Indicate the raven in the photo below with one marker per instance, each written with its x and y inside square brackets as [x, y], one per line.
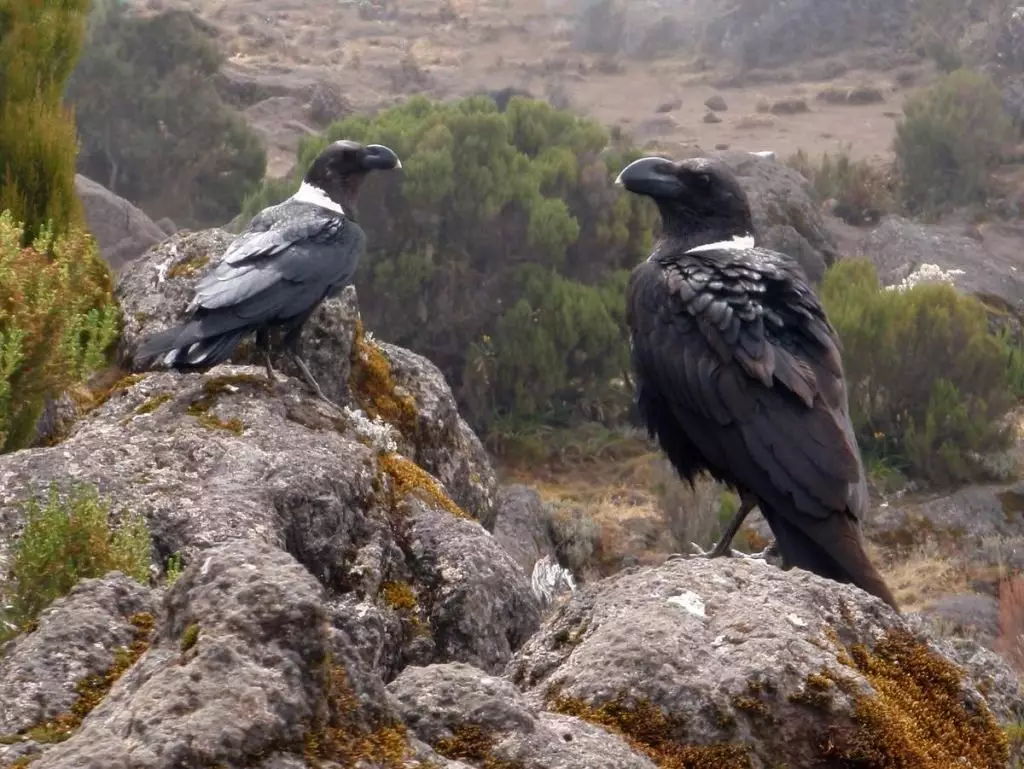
[739, 374]
[279, 269]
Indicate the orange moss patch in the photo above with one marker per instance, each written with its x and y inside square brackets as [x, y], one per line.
[408, 478]
[336, 735]
[651, 732]
[373, 385]
[474, 744]
[916, 717]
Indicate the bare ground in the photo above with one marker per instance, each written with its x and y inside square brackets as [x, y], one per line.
[491, 44]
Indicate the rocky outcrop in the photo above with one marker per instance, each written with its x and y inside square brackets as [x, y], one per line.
[785, 217]
[122, 231]
[986, 261]
[345, 604]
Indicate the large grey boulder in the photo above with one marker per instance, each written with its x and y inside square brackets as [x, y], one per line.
[122, 231]
[742, 664]
[786, 218]
[986, 262]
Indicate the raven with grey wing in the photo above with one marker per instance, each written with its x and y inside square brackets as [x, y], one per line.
[279, 269]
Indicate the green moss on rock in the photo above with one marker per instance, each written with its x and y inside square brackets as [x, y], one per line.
[188, 267]
[92, 689]
[153, 404]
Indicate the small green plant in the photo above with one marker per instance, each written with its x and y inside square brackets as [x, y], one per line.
[951, 138]
[58, 321]
[174, 569]
[68, 538]
[860, 190]
[928, 381]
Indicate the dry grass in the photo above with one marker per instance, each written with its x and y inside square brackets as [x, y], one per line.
[921, 575]
[1011, 621]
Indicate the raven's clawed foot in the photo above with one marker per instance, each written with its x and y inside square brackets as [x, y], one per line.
[313, 384]
[728, 552]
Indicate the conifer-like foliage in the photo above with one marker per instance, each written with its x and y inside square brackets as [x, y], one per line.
[39, 42]
[501, 252]
[929, 382]
[152, 125]
[952, 137]
[58, 319]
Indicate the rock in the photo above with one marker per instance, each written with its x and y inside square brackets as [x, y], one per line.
[456, 706]
[738, 662]
[716, 103]
[711, 117]
[969, 515]
[966, 616]
[669, 106]
[791, 105]
[122, 231]
[785, 217]
[242, 86]
[991, 268]
[523, 526]
[327, 104]
[76, 637]
[243, 666]
[434, 434]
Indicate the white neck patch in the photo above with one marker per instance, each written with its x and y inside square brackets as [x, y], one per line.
[737, 243]
[309, 193]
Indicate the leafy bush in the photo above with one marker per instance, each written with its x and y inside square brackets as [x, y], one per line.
[65, 541]
[39, 43]
[928, 380]
[153, 127]
[500, 252]
[860, 191]
[951, 138]
[58, 318]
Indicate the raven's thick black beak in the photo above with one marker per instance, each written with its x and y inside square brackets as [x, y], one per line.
[652, 176]
[380, 158]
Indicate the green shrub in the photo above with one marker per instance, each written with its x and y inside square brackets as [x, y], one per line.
[951, 138]
[65, 540]
[39, 42]
[58, 319]
[860, 191]
[499, 252]
[153, 126]
[928, 380]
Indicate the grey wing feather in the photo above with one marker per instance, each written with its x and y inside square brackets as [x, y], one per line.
[272, 249]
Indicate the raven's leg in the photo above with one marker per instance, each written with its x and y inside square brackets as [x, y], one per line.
[263, 343]
[723, 548]
[291, 345]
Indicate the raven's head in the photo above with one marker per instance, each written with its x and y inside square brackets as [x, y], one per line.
[342, 165]
[695, 196]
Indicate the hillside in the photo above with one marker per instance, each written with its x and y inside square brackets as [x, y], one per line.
[282, 53]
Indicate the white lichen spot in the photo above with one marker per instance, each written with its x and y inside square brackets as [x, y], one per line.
[926, 273]
[796, 621]
[380, 434]
[720, 640]
[689, 601]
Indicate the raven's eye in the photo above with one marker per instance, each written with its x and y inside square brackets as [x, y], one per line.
[704, 180]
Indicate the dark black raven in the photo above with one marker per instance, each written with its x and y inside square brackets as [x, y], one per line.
[278, 270]
[738, 372]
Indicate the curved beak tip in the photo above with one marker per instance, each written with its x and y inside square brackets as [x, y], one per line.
[618, 179]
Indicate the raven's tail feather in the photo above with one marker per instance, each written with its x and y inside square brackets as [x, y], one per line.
[184, 347]
[832, 547]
